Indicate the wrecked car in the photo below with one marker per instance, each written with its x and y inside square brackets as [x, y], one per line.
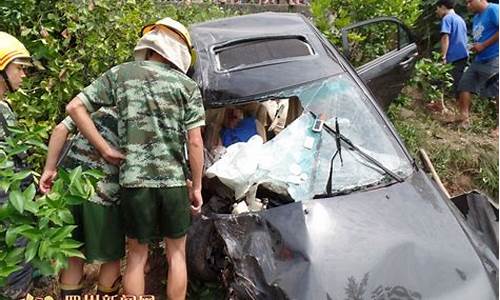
[323, 201]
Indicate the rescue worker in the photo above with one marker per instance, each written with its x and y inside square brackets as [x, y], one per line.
[159, 111]
[13, 58]
[98, 221]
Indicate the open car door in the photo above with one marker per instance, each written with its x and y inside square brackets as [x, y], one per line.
[384, 53]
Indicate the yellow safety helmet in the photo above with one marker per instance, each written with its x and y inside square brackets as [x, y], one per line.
[178, 28]
[12, 49]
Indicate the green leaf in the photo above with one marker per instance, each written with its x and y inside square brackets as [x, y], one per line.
[6, 271]
[74, 200]
[66, 216]
[29, 193]
[31, 250]
[75, 175]
[23, 228]
[62, 233]
[31, 206]
[42, 251]
[70, 244]
[72, 253]
[14, 256]
[5, 211]
[32, 234]
[17, 200]
[97, 174]
[10, 236]
[43, 266]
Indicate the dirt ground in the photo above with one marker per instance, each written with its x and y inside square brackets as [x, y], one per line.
[471, 145]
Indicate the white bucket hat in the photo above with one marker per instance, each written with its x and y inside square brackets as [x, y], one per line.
[166, 43]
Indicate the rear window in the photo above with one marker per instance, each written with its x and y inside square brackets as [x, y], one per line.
[253, 52]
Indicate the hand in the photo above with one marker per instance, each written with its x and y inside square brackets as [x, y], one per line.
[196, 201]
[477, 47]
[46, 180]
[113, 156]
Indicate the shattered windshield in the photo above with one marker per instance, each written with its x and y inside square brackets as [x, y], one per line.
[298, 158]
[340, 97]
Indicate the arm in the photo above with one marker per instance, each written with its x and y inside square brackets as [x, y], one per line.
[195, 149]
[478, 47]
[445, 43]
[78, 112]
[56, 144]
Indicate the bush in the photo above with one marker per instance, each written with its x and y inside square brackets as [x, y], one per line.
[331, 15]
[45, 221]
[433, 77]
[72, 43]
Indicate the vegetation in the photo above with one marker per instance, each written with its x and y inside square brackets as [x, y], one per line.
[44, 221]
[72, 43]
[331, 15]
[433, 77]
[464, 159]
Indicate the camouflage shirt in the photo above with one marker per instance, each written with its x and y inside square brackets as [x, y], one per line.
[156, 106]
[9, 115]
[82, 153]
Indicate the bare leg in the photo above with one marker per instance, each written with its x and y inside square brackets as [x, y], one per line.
[108, 274]
[464, 101]
[177, 271]
[72, 276]
[133, 279]
[494, 132]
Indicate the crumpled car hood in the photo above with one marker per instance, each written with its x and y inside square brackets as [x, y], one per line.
[399, 242]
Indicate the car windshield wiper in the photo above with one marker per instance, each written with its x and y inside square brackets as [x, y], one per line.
[339, 137]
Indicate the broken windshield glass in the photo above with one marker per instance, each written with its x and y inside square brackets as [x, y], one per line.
[298, 158]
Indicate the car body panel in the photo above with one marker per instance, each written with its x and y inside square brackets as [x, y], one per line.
[247, 83]
[399, 242]
[384, 241]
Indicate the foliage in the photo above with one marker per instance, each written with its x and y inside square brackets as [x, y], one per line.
[433, 77]
[332, 15]
[46, 221]
[463, 160]
[73, 42]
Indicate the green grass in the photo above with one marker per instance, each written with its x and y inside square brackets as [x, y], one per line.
[455, 153]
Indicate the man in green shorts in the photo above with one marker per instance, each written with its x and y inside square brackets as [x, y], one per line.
[160, 111]
[98, 221]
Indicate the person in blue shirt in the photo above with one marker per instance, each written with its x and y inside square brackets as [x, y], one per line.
[482, 76]
[453, 39]
[237, 128]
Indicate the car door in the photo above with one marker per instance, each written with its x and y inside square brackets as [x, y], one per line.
[384, 53]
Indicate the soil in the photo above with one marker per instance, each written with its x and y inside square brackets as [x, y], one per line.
[440, 134]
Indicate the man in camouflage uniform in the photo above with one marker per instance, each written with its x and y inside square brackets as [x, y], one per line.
[160, 110]
[13, 58]
[98, 221]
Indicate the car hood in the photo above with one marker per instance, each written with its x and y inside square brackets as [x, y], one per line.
[398, 242]
[233, 86]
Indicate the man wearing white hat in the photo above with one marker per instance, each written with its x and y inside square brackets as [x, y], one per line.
[159, 111]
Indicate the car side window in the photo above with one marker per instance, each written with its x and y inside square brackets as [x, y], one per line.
[372, 40]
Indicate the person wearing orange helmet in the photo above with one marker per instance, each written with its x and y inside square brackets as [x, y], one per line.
[13, 58]
[160, 111]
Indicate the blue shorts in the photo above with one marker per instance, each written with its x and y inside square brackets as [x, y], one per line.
[481, 78]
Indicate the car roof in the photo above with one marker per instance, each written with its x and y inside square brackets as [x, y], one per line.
[244, 82]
